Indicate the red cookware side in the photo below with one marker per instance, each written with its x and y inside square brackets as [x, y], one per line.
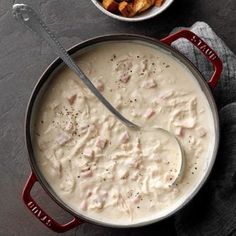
[48, 220]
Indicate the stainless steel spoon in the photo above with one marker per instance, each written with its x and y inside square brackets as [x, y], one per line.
[29, 18]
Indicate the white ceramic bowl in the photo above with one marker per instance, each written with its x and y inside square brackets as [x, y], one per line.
[152, 12]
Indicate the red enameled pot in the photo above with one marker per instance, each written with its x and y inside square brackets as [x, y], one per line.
[164, 44]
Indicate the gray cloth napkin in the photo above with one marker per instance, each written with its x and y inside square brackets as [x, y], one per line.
[213, 211]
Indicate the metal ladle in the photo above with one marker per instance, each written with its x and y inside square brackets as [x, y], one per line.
[29, 18]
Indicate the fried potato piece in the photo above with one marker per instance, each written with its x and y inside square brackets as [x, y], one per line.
[159, 3]
[110, 5]
[126, 9]
[119, 1]
[142, 5]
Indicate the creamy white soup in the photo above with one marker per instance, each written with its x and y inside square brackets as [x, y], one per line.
[101, 168]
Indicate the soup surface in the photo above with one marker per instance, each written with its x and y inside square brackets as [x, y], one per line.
[101, 168]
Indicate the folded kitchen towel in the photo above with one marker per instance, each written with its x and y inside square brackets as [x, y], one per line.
[213, 211]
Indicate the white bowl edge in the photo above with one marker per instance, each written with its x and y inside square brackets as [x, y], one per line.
[154, 11]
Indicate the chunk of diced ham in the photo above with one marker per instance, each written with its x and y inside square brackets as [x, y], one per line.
[201, 132]
[84, 205]
[148, 84]
[89, 193]
[71, 99]
[149, 113]
[101, 142]
[88, 152]
[137, 199]
[125, 78]
[100, 86]
[175, 190]
[124, 137]
[104, 194]
[190, 122]
[63, 138]
[179, 131]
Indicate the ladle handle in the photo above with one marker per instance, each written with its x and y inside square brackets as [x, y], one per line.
[28, 17]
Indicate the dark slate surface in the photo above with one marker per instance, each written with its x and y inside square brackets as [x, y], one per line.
[23, 58]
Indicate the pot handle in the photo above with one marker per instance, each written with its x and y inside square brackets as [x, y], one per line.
[204, 48]
[41, 214]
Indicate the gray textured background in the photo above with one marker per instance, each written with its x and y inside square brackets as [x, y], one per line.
[23, 59]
